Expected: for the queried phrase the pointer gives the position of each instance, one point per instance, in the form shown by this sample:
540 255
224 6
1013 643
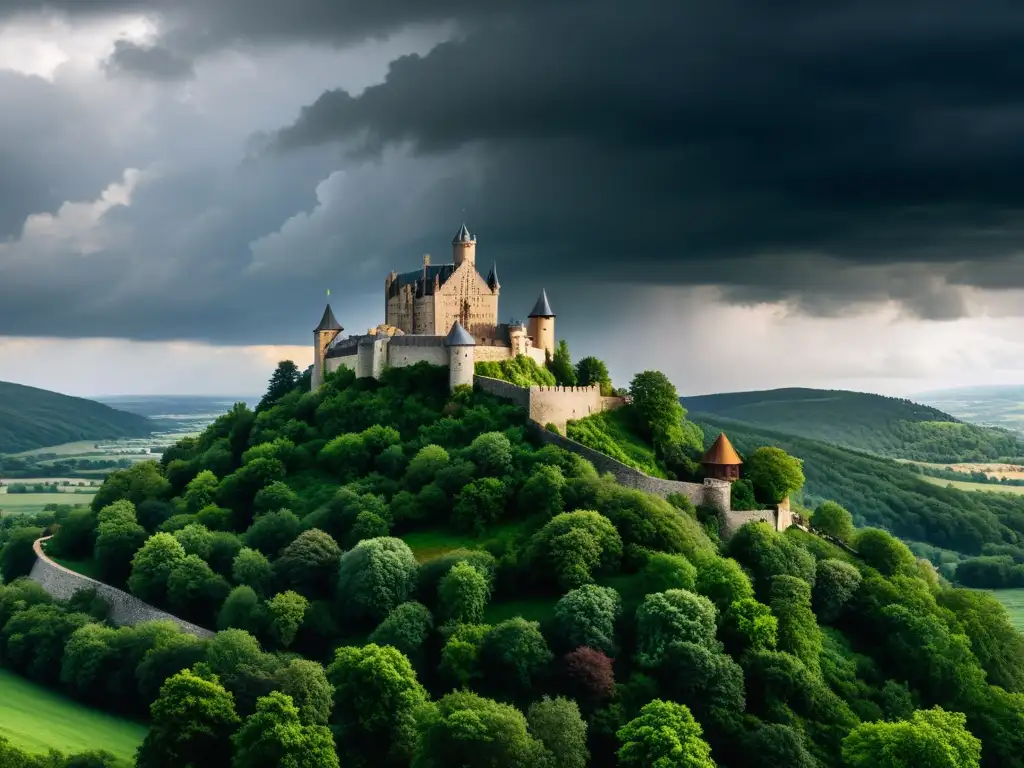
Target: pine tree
561 366
283 381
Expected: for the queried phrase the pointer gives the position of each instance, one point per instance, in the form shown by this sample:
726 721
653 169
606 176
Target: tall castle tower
461 360
463 247
323 335
542 325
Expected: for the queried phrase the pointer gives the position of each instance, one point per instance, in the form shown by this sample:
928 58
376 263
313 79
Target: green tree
376 699
282 381
675 616
933 738
480 504
560 727
307 684
749 625
590 371
17 555
664 570
778 746
273 497
201 491
424 466
251 567
835 584
406 628
152 567
310 563
375 576
543 492
664 735
139 483
272 532
798 628
655 401
195 540
194 590
561 366
575 545
286 611
512 654
463 593
882 551
465 729
722 581
192 722
774 473
587 616
275 737
491 452
833 519
242 610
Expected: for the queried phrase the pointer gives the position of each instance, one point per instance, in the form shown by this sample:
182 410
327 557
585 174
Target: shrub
375 576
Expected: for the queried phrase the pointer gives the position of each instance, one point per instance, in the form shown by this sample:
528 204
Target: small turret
721 462
542 325
492 278
461 359
326 332
463 247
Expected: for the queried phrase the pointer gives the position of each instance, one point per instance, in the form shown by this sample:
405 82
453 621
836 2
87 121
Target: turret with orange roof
721 462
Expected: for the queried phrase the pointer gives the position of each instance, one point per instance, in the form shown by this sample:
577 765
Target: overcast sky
742 194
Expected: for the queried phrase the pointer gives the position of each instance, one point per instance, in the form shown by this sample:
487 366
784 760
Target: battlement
408 340
568 390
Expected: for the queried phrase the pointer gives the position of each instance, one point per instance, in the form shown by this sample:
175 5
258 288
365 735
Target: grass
37 719
1013 600
964 485
22 503
612 433
428 544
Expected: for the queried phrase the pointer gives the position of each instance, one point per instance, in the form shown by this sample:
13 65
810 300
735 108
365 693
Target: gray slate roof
542 308
463 236
422 280
329 322
492 277
459 337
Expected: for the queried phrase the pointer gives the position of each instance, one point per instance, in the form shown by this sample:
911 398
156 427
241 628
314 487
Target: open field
994 470
426 545
38 719
1013 599
968 486
22 503
74 481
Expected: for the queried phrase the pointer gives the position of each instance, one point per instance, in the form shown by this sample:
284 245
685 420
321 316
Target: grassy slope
32 418
37 719
28 503
884 425
1013 600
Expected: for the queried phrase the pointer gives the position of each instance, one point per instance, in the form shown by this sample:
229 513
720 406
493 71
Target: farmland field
37 719
968 486
20 503
1013 599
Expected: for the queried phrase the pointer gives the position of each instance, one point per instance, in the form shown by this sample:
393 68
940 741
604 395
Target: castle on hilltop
443 314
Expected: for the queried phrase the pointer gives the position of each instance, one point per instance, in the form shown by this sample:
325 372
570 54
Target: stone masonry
61 583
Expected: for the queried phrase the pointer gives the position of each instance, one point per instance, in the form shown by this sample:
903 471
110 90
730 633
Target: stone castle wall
504 389
557 405
61 583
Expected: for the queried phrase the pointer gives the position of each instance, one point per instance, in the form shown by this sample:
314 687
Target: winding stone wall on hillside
504 389
61 583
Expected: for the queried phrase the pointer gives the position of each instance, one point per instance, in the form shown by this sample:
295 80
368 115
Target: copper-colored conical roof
722 453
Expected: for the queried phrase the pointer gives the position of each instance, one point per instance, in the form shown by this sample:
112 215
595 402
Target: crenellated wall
503 389
61 583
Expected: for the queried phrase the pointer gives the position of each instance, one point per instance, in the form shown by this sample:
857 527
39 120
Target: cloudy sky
742 194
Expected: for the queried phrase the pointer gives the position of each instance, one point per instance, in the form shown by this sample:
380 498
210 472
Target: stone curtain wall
503 389
557 405
61 583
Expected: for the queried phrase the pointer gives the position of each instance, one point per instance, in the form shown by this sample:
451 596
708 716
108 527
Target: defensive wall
557 405
62 583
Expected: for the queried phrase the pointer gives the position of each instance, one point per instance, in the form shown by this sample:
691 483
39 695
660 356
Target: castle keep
443 314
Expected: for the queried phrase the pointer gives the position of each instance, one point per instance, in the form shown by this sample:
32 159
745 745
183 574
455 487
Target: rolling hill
35 418
885 493
886 426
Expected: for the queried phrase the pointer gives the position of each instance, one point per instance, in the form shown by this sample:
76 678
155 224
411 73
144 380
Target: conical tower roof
722 453
463 236
458 337
543 307
492 277
328 322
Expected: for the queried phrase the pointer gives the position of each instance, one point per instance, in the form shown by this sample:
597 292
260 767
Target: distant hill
1001 406
887 426
885 493
35 418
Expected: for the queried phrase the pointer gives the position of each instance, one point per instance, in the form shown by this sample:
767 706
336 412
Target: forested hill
35 418
884 493
886 426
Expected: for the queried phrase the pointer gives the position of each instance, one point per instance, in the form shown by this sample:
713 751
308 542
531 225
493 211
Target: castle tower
463 247
542 325
323 335
460 356
721 462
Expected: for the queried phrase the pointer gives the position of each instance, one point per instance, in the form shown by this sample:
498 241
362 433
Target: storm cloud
825 157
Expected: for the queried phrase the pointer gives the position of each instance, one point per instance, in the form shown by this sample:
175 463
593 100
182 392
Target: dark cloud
151 61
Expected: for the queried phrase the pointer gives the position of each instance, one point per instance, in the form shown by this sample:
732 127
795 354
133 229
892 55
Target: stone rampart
503 389
61 583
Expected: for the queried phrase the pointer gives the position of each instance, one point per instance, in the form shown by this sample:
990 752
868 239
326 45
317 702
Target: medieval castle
443 314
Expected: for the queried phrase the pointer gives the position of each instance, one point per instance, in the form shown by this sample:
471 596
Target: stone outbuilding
721 462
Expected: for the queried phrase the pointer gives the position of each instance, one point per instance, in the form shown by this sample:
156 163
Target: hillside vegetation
403 578
35 418
886 426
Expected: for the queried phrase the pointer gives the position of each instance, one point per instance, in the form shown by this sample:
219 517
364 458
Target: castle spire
463 236
328 322
542 308
492 277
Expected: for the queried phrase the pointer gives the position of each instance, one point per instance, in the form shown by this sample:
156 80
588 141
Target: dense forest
403 577
886 426
35 418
